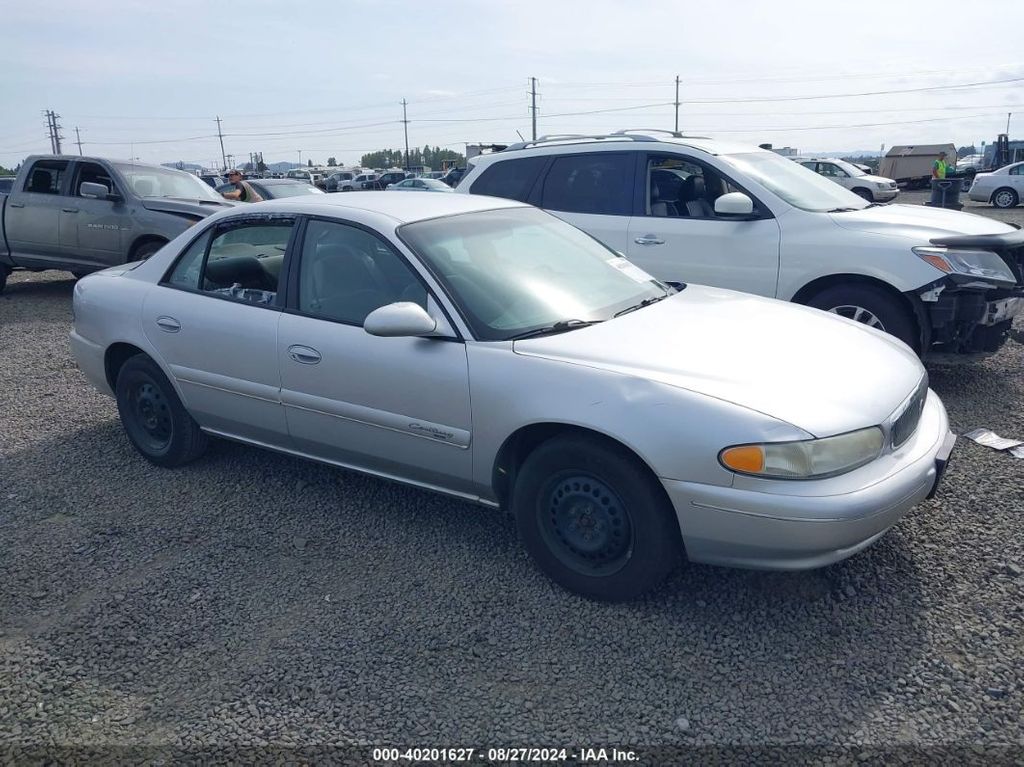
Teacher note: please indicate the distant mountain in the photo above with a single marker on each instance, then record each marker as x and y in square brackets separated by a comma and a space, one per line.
[189, 166]
[846, 153]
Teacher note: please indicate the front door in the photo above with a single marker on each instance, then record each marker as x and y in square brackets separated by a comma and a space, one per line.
[90, 228]
[678, 237]
[214, 323]
[395, 406]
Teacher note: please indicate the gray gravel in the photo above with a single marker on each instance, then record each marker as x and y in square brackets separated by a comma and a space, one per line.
[254, 599]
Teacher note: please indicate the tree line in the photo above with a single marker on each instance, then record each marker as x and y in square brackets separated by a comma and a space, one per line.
[431, 157]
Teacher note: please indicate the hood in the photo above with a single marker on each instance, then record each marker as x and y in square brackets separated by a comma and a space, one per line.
[200, 208]
[817, 371]
[918, 222]
[875, 179]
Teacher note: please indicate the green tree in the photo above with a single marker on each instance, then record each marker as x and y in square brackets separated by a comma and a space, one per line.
[332, 162]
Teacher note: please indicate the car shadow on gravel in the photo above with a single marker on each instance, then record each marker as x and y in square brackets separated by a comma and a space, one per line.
[255, 595]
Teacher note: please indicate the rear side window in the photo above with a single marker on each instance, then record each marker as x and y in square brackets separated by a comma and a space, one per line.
[47, 177]
[512, 179]
[589, 183]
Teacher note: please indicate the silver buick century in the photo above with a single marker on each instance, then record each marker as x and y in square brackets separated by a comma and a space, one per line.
[485, 349]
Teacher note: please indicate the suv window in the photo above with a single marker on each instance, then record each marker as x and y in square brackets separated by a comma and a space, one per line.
[680, 188]
[589, 183]
[831, 170]
[90, 172]
[47, 177]
[512, 179]
[242, 263]
[345, 273]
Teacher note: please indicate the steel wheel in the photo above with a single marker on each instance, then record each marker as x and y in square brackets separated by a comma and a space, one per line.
[152, 415]
[858, 314]
[586, 524]
[1004, 198]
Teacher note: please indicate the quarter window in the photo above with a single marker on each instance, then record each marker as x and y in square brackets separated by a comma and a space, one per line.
[185, 273]
[47, 177]
[589, 183]
[512, 179]
[1017, 170]
[345, 273]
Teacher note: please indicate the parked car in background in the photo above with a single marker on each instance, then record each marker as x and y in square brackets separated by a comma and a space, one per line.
[420, 185]
[690, 209]
[213, 180]
[453, 176]
[364, 181]
[1002, 188]
[6, 184]
[310, 177]
[80, 214]
[275, 188]
[384, 180]
[340, 181]
[624, 423]
[846, 174]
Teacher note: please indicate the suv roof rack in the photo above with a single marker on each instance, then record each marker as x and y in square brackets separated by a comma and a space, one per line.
[632, 134]
[672, 133]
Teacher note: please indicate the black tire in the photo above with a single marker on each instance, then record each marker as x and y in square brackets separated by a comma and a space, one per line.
[864, 193]
[5, 271]
[78, 274]
[153, 417]
[1005, 198]
[871, 306]
[594, 519]
[146, 249]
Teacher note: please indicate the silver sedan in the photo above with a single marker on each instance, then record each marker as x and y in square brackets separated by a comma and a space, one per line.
[485, 349]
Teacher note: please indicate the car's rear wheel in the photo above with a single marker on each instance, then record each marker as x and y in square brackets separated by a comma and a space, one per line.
[865, 193]
[153, 417]
[594, 519]
[1005, 198]
[870, 306]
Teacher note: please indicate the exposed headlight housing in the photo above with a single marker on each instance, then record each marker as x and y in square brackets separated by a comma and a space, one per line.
[978, 264]
[805, 459]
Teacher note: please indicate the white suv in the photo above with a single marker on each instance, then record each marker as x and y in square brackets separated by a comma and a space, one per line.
[690, 209]
[871, 188]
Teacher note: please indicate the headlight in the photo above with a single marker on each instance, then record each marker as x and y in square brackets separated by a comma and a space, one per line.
[983, 264]
[882, 184]
[806, 459]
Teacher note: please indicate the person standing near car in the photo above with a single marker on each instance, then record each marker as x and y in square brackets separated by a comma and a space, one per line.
[243, 189]
[939, 167]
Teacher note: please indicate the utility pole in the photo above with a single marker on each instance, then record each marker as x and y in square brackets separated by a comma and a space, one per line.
[533, 104]
[300, 157]
[54, 128]
[78, 136]
[405, 124]
[1008, 116]
[677, 103]
[220, 135]
[49, 131]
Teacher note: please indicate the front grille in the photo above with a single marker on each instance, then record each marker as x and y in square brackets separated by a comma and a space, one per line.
[905, 424]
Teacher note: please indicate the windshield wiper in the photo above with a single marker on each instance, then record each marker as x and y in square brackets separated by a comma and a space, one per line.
[561, 326]
[641, 305]
[844, 210]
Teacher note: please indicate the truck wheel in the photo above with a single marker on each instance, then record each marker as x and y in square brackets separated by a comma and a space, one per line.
[153, 417]
[1005, 198]
[146, 249]
[594, 519]
[865, 193]
[872, 307]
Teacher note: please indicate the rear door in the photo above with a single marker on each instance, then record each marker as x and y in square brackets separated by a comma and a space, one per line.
[91, 229]
[213, 320]
[676, 236]
[32, 218]
[395, 406]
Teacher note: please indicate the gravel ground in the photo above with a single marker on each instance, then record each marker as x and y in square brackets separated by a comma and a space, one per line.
[252, 599]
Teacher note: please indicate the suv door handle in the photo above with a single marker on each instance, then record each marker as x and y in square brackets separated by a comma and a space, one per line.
[168, 324]
[304, 354]
[70, 210]
[648, 239]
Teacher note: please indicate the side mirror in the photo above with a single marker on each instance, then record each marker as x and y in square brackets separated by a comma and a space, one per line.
[734, 204]
[401, 319]
[93, 190]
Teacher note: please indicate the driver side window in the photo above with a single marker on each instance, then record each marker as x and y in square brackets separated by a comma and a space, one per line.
[680, 188]
[345, 273]
[92, 173]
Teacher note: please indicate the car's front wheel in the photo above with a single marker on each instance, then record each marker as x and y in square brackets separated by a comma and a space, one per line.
[1005, 198]
[864, 193]
[870, 306]
[594, 519]
[153, 417]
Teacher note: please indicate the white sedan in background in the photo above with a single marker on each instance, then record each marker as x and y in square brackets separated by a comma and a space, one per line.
[419, 185]
[485, 349]
[1003, 188]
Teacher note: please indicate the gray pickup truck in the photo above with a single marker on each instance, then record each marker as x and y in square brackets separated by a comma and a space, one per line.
[81, 214]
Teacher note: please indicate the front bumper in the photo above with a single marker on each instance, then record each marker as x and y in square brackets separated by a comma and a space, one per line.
[800, 525]
[885, 195]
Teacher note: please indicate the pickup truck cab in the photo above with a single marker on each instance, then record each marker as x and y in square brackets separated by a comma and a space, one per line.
[81, 214]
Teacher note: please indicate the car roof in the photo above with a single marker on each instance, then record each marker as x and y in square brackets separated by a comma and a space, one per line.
[402, 209]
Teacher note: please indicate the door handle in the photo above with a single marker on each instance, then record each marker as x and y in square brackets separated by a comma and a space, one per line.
[304, 354]
[17, 205]
[70, 210]
[648, 239]
[168, 324]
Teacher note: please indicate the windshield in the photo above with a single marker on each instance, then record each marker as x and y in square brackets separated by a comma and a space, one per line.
[850, 168]
[515, 270]
[800, 187]
[147, 181]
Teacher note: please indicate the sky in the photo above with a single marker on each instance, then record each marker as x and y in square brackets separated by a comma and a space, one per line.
[325, 78]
